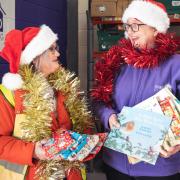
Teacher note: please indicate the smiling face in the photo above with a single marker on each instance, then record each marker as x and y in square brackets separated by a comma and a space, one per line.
[144, 37]
[48, 62]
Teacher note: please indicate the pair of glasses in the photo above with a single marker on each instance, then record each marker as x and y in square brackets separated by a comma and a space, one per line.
[134, 27]
[53, 49]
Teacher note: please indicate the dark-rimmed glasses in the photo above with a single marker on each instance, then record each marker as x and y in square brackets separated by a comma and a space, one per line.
[134, 27]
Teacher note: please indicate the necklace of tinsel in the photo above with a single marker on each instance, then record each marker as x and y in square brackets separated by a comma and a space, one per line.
[124, 53]
[39, 102]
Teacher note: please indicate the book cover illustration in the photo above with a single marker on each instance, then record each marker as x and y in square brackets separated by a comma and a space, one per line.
[141, 134]
[170, 106]
[150, 104]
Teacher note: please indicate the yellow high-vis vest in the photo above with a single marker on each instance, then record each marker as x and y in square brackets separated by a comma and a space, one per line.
[8, 170]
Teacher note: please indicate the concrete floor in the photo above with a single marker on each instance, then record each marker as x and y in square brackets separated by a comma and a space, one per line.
[96, 176]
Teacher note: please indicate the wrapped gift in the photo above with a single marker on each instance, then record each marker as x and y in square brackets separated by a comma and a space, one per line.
[72, 146]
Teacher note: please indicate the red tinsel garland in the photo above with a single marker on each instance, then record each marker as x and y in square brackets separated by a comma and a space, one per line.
[125, 53]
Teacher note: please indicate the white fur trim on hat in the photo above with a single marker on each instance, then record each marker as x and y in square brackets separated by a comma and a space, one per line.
[12, 81]
[40, 43]
[148, 13]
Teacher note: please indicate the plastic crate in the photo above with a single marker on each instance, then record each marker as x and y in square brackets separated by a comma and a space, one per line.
[172, 6]
[106, 39]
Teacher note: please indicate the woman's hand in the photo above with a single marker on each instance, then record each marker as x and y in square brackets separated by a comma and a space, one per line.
[113, 121]
[39, 152]
[168, 151]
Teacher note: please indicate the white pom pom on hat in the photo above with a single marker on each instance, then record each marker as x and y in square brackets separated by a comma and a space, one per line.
[21, 47]
[149, 12]
[12, 81]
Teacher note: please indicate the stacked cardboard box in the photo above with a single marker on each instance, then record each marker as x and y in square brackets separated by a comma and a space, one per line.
[100, 8]
[121, 6]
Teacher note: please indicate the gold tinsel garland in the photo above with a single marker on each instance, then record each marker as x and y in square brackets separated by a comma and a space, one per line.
[38, 106]
[68, 84]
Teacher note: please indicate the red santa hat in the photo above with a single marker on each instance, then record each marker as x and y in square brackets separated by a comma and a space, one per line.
[149, 12]
[21, 47]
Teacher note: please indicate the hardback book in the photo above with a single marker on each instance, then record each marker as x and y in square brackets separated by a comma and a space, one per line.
[170, 106]
[141, 134]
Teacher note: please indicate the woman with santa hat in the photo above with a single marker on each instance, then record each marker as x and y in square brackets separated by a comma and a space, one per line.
[41, 112]
[132, 71]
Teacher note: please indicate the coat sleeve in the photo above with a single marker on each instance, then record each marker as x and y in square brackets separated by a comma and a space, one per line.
[103, 113]
[12, 149]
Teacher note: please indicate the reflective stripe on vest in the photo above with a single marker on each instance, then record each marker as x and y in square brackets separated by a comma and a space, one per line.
[13, 167]
[8, 170]
[83, 173]
[8, 95]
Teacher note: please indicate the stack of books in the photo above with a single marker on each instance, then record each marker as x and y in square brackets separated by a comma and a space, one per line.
[146, 127]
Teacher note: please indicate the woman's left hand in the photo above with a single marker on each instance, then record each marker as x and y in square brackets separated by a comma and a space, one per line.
[169, 151]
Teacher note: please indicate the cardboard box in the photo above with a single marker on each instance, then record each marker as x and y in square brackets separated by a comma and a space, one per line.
[121, 6]
[101, 8]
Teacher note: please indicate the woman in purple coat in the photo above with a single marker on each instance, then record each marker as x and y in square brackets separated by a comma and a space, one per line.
[132, 71]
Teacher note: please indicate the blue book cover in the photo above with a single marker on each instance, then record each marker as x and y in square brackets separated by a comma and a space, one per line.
[141, 134]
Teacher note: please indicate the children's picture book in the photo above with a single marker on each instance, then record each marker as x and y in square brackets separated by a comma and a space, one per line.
[150, 104]
[141, 134]
[170, 106]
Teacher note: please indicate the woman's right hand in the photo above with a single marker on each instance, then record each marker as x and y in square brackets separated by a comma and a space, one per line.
[113, 121]
[39, 152]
